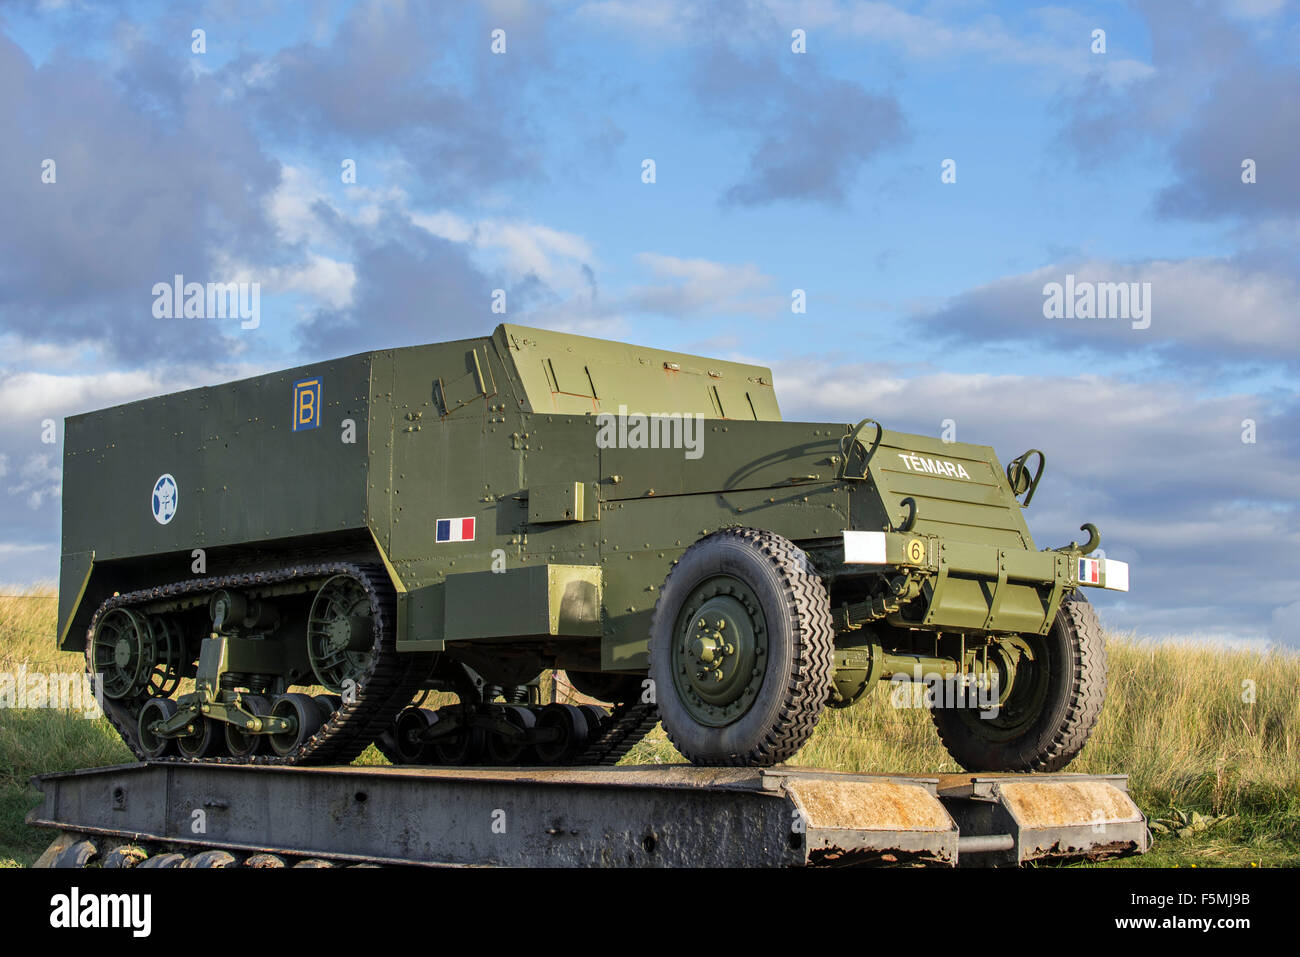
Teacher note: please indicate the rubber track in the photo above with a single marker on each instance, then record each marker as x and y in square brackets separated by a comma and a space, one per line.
[812, 657]
[628, 724]
[384, 689]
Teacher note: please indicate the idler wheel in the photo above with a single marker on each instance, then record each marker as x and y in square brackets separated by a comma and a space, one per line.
[596, 718]
[124, 652]
[328, 704]
[340, 633]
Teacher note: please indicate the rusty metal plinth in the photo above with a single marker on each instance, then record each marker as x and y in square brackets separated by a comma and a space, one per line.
[662, 815]
[1046, 816]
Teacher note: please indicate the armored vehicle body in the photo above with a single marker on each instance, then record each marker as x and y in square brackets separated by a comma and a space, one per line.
[279, 569]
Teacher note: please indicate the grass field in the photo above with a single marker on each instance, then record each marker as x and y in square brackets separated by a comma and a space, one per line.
[1197, 730]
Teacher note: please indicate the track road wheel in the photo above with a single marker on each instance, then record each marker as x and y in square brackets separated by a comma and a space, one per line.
[570, 726]
[305, 720]
[155, 710]
[405, 748]
[207, 740]
[463, 746]
[328, 704]
[505, 750]
[597, 718]
[741, 646]
[240, 743]
[1049, 700]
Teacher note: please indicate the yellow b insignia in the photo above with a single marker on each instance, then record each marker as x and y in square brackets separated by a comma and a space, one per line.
[916, 551]
[306, 404]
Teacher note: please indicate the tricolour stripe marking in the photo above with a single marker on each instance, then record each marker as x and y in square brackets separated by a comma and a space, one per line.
[454, 530]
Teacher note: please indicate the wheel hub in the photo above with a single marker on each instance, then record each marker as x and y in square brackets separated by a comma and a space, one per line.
[720, 652]
[1018, 666]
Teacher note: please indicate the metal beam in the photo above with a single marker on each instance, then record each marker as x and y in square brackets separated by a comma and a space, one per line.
[666, 815]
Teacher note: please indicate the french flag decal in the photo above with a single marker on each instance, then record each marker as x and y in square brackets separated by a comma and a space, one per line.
[1089, 571]
[455, 530]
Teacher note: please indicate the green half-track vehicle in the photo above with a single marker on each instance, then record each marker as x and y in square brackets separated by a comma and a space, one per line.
[461, 517]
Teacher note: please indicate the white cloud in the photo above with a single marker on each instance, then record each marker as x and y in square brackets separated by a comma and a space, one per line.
[326, 280]
[1284, 625]
[38, 479]
[1210, 524]
[1215, 305]
[1053, 40]
[662, 18]
[522, 248]
[694, 286]
[33, 396]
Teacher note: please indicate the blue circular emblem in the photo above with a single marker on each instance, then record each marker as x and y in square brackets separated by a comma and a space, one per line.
[166, 497]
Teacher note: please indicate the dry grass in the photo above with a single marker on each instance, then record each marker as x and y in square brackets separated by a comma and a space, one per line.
[1174, 721]
[1177, 720]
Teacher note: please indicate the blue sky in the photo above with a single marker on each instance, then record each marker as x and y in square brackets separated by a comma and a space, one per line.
[775, 171]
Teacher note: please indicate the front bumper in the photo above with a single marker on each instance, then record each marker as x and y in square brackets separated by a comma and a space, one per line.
[969, 586]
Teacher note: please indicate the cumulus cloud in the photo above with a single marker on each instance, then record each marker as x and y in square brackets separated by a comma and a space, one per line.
[688, 287]
[411, 287]
[152, 175]
[812, 134]
[1046, 39]
[388, 74]
[1209, 522]
[1200, 310]
[1221, 92]
[31, 466]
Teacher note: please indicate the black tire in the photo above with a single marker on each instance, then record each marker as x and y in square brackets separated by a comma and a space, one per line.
[504, 751]
[1056, 732]
[797, 669]
[463, 746]
[242, 744]
[207, 741]
[405, 749]
[307, 721]
[328, 704]
[155, 709]
[571, 723]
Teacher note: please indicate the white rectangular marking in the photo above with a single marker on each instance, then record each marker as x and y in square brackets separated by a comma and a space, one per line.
[1114, 575]
[864, 548]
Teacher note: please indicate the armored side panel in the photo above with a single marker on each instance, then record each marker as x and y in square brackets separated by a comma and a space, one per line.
[495, 441]
[261, 461]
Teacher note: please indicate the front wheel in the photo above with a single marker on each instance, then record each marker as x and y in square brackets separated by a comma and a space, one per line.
[1051, 691]
[741, 646]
